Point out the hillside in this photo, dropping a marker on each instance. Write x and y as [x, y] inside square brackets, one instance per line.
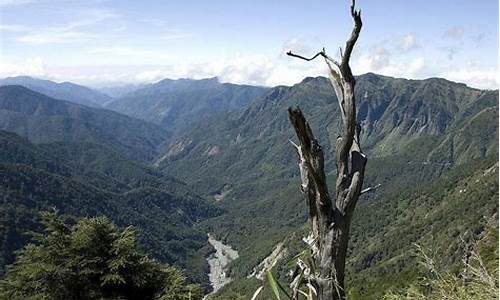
[90, 180]
[62, 91]
[414, 131]
[444, 217]
[176, 104]
[42, 119]
[241, 148]
[393, 113]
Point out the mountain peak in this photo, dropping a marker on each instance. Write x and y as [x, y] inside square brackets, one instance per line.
[314, 80]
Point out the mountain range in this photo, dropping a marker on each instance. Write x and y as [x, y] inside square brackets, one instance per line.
[182, 158]
[63, 91]
[43, 119]
[176, 104]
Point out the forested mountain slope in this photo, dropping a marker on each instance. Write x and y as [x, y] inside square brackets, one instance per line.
[43, 119]
[176, 104]
[445, 218]
[392, 112]
[414, 131]
[83, 179]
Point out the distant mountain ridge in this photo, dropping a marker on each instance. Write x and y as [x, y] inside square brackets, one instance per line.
[118, 91]
[393, 113]
[62, 91]
[176, 104]
[43, 119]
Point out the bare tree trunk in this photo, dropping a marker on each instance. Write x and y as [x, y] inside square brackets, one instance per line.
[331, 220]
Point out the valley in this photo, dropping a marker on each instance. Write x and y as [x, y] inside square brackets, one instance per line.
[179, 159]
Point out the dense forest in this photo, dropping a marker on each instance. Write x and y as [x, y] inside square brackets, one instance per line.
[176, 170]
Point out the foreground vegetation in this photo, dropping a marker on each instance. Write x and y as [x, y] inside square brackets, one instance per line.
[90, 259]
[478, 279]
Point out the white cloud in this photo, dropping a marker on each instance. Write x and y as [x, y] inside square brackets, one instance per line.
[381, 62]
[409, 42]
[132, 53]
[32, 67]
[478, 40]
[451, 51]
[374, 60]
[244, 68]
[174, 35]
[241, 68]
[474, 76]
[56, 36]
[67, 33]
[296, 46]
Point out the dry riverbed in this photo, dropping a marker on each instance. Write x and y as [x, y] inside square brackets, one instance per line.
[218, 262]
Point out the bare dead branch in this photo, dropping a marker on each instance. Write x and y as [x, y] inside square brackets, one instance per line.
[322, 53]
[370, 189]
[349, 46]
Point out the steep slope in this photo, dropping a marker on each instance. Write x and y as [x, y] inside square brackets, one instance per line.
[89, 163]
[444, 218]
[397, 116]
[43, 119]
[90, 180]
[175, 104]
[63, 91]
[413, 131]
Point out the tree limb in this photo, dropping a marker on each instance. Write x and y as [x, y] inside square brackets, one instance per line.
[370, 189]
[349, 46]
[322, 53]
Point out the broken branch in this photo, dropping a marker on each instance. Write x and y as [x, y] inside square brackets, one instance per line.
[370, 189]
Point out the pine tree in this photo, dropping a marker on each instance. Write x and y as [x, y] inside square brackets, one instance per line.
[90, 259]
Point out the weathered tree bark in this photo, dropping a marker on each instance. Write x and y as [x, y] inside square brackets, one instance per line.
[330, 221]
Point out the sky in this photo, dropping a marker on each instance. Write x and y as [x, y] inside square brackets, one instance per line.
[113, 42]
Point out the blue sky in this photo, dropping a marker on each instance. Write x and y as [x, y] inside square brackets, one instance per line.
[108, 42]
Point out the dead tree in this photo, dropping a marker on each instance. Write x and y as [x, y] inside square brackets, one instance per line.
[330, 220]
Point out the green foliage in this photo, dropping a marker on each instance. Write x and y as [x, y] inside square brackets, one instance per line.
[178, 104]
[436, 216]
[274, 285]
[85, 179]
[91, 259]
[476, 281]
[42, 119]
[229, 296]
